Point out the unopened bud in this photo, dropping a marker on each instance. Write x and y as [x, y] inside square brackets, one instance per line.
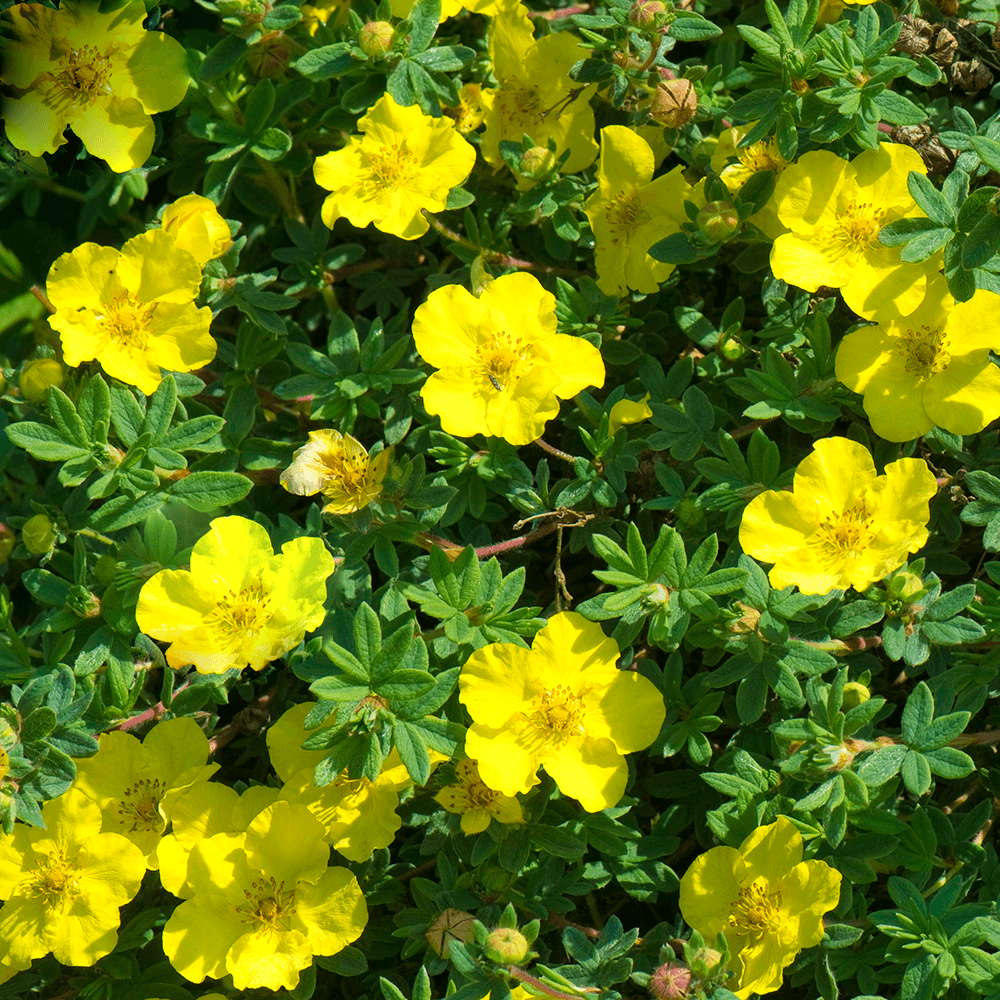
[506, 946]
[38, 534]
[719, 220]
[270, 56]
[675, 103]
[449, 925]
[7, 542]
[732, 349]
[643, 13]
[670, 981]
[855, 694]
[537, 163]
[375, 38]
[38, 375]
[709, 956]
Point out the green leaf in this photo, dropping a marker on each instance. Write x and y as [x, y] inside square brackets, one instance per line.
[917, 714]
[65, 417]
[916, 773]
[326, 62]
[882, 765]
[412, 751]
[207, 491]
[43, 442]
[424, 17]
[988, 150]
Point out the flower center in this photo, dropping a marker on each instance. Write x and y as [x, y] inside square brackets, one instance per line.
[140, 807]
[502, 359]
[856, 230]
[755, 910]
[52, 877]
[762, 155]
[479, 796]
[268, 904]
[848, 533]
[557, 714]
[392, 165]
[245, 612]
[127, 321]
[924, 351]
[350, 473]
[520, 104]
[624, 213]
[82, 76]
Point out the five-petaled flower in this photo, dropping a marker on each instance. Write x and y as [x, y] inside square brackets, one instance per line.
[504, 367]
[103, 75]
[933, 367]
[834, 210]
[842, 525]
[64, 884]
[263, 904]
[136, 784]
[406, 161]
[338, 466]
[536, 96]
[766, 900]
[475, 801]
[240, 603]
[132, 310]
[563, 705]
[196, 226]
[629, 212]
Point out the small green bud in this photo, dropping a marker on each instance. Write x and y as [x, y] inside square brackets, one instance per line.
[38, 375]
[719, 220]
[732, 349]
[855, 694]
[38, 534]
[375, 38]
[537, 163]
[7, 542]
[507, 946]
[644, 13]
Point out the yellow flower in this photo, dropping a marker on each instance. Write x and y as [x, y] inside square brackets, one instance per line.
[842, 525]
[63, 885]
[765, 898]
[474, 101]
[933, 367]
[761, 155]
[475, 802]
[336, 465]
[200, 811]
[133, 311]
[834, 211]
[240, 604]
[534, 97]
[449, 8]
[630, 212]
[321, 12]
[563, 705]
[196, 226]
[627, 411]
[103, 75]
[264, 903]
[358, 816]
[405, 162]
[136, 784]
[504, 367]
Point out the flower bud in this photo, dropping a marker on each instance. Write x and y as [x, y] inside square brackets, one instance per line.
[537, 163]
[670, 981]
[196, 226]
[709, 956]
[449, 925]
[855, 694]
[506, 946]
[719, 220]
[38, 375]
[732, 349]
[675, 103]
[643, 13]
[270, 56]
[7, 542]
[38, 534]
[375, 38]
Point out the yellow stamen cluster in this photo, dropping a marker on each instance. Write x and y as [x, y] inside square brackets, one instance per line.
[925, 351]
[270, 904]
[140, 806]
[502, 359]
[557, 714]
[53, 878]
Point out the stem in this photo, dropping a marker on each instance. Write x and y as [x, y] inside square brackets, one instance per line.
[281, 191]
[96, 535]
[525, 977]
[976, 739]
[451, 549]
[553, 15]
[43, 298]
[61, 190]
[246, 720]
[545, 446]
[153, 714]
[747, 429]
[495, 257]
